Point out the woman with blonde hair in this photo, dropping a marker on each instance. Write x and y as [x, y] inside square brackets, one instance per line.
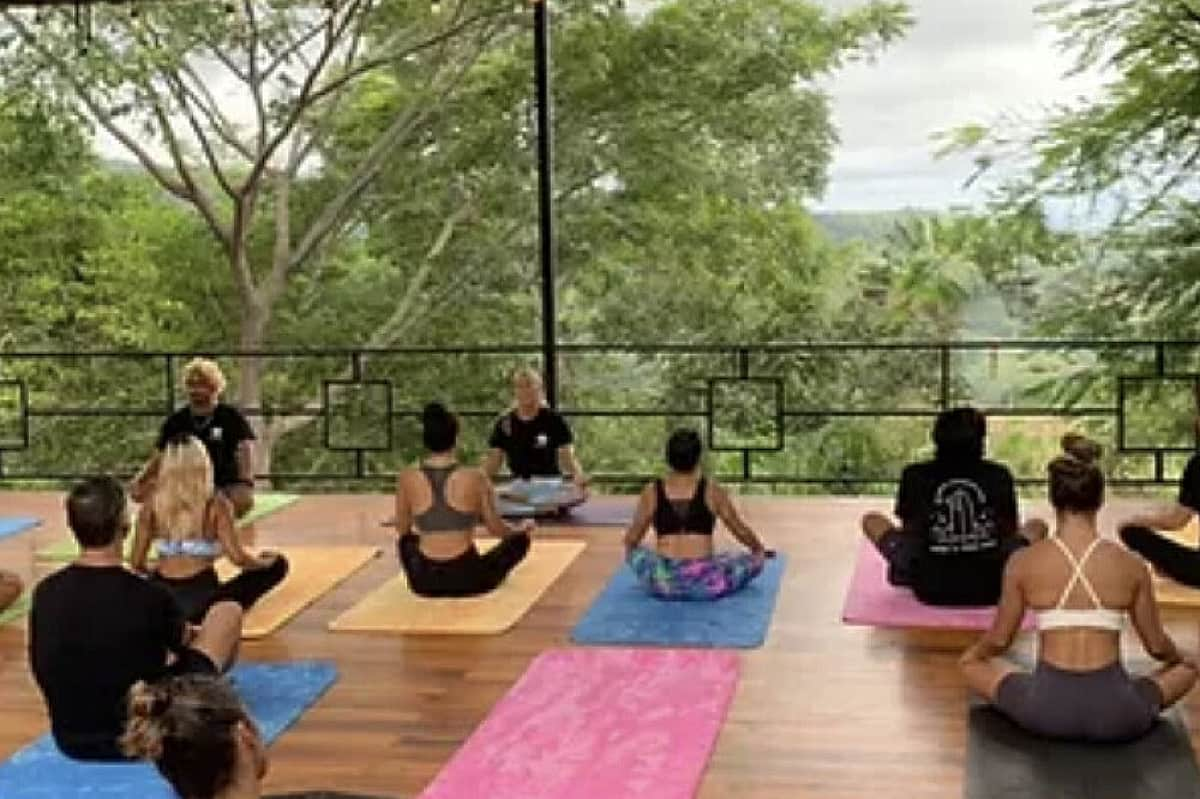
[534, 438]
[1081, 587]
[222, 429]
[193, 525]
[201, 739]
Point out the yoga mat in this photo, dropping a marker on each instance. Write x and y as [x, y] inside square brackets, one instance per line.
[312, 573]
[264, 505]
[872, 602]
[598, 724]
[1005, 762]
[625, 614]
[275, 693]
[394, 608]
[17, 611]
[11, 525]
[1169, 593]
[593, 513]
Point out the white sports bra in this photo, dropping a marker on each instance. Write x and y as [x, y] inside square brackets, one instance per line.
[1097, 617]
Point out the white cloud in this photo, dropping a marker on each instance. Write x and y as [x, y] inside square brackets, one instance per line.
[963, 61]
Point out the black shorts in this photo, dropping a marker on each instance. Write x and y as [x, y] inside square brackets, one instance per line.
[1102, 706]
[191, 661]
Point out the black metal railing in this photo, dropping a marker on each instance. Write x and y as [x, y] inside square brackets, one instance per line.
[840, 415]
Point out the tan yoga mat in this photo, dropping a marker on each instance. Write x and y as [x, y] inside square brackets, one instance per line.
[312, 573]
[1169, 593]
[394, 608]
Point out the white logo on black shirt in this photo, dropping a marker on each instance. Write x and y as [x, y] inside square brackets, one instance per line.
[961, 519]
[215, 434]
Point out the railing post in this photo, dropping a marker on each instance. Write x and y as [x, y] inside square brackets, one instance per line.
[944, 367]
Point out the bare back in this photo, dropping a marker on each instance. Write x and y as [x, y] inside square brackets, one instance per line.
[1117, 578]
[463, 493]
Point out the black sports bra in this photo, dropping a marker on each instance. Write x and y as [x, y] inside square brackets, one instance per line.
[680, 516]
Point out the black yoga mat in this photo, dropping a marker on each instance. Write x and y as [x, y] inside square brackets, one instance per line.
[1005, 762]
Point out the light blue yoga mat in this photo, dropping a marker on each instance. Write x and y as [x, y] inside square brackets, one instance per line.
[625, 614]
[11, 525]
[275, 693]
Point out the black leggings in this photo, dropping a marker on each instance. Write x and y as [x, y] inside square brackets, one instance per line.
[469, 574]
[1180, 563]
[196, 594]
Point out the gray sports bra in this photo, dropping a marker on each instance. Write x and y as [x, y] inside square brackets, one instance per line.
[441, 518]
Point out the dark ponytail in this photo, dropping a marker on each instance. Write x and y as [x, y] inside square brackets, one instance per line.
[439, 428]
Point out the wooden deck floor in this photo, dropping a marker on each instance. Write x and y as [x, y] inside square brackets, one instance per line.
[823, 710]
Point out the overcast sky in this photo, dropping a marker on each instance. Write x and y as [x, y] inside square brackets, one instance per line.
[963, 61]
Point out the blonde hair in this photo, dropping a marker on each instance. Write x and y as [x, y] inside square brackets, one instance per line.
[187, 726]
[185, 484]
[207, 370]
[527, 374]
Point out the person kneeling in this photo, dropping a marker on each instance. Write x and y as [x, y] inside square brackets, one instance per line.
[683, 508]
[95, 629]
[438, 505]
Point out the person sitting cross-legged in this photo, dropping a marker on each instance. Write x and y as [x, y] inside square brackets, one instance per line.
[958, 521]
[683, 507]
[96, 628]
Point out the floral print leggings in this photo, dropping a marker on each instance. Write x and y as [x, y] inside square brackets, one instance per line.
[694, 578]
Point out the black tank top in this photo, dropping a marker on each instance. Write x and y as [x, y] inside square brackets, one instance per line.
[679, 516]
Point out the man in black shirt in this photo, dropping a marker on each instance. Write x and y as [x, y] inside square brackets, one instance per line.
[534, 438]
[222, 429]
[95, 629]
[958, 519]
[1179, 562]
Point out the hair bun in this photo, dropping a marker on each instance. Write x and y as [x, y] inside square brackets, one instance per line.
[1081, 448]
[435, 410]
[144, 731]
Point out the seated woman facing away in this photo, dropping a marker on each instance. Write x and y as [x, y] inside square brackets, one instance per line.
[10, 589]
[438, 505]
[958, 519]
[200, 737]
[683, 508]
[193, 525]
[1081, 587]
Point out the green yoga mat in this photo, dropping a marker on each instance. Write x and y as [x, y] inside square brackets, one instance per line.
[17, 610]
[264, 505]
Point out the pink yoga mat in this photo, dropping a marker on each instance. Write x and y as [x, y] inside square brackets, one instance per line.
[598, 724]
[872, 602]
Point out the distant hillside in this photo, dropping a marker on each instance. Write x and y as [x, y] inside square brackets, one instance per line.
[868, 226]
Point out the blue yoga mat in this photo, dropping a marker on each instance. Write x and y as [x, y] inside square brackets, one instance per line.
[275, 693]
[11, 525]
[625, 614]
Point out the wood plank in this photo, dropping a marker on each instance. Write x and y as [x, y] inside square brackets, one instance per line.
[823, 710]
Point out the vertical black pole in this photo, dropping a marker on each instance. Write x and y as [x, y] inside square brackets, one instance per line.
[541, 67]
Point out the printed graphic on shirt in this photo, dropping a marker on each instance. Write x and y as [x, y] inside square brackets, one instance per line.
[961, 519]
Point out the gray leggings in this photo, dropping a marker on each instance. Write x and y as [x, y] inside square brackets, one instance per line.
[1102, 706]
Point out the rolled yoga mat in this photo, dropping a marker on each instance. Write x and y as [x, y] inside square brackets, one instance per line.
[871, 601]
[12, 525]
[394, 608]
[624, 613]
[598, 724]
[1005, 762]
[264, 505]
[276, 694]
[312, 573]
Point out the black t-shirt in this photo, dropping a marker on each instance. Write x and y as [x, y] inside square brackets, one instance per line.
[966, 513]
[93, 633]
[532, 446]
[1189, 484]
[221, 433]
